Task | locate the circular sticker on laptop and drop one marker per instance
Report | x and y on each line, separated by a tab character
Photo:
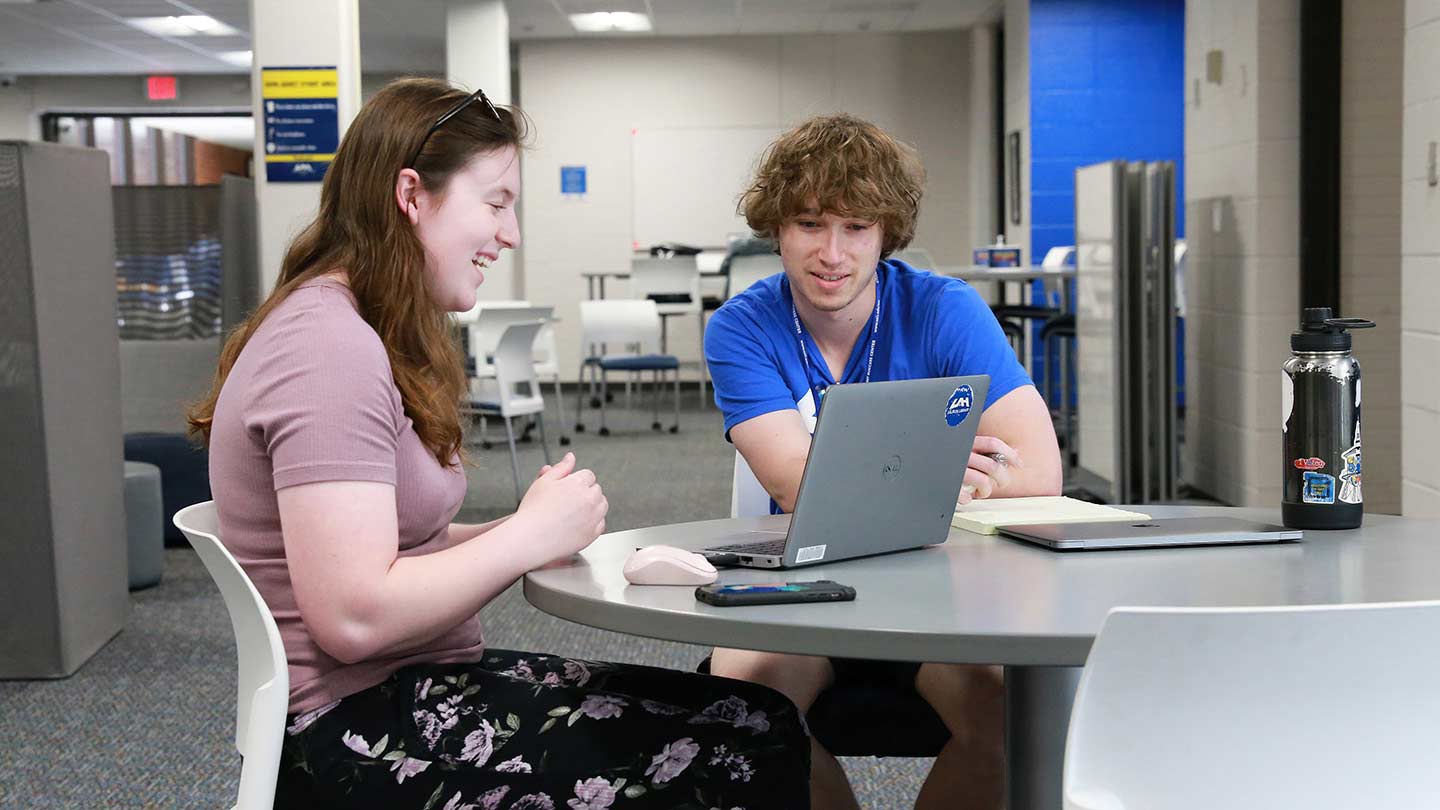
959	406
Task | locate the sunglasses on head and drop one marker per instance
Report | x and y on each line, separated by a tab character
478	95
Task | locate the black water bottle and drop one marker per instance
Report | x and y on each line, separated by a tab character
1321	408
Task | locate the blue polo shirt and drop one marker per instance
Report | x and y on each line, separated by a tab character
930	326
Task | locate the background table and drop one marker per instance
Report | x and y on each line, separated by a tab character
988	600
593	276
982	272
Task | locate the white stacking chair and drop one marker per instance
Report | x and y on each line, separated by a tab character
480	343
1316	707
917	257
746	270
514	390
748	497
264	688
632	327
1058	256
492	319
674	284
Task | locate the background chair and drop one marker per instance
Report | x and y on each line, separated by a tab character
634	327
1323	707
514	390
674	285
1015	334
748	497
746	270
490	320
1054	257
1057	339
144	525
851	719
264	688
184	472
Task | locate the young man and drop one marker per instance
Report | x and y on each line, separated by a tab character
838	195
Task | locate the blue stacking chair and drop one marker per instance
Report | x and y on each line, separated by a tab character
623	335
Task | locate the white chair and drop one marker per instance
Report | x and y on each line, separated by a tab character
746	270
1058	256
264	689
547	356
515	390
748	497
492	319
674	285
1321	708
632	326
917	257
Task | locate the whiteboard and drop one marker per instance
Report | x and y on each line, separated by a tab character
686	181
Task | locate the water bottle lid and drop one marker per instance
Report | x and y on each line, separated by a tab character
1321	333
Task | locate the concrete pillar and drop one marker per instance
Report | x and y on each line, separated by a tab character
477	54
315	33
983	105
1420	267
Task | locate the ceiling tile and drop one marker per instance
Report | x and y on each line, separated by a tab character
82	36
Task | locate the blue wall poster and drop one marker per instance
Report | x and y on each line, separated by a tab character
572	179
302	122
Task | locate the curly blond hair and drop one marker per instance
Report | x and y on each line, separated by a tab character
849	166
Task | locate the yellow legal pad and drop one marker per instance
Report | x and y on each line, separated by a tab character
987	516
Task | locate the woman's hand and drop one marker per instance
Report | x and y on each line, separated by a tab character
564	509
988	471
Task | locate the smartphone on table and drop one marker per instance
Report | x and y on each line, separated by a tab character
774	593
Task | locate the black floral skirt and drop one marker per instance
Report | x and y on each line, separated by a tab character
520	731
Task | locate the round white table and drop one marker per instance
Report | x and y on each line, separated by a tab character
990	600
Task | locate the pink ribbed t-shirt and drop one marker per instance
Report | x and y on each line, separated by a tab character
311	398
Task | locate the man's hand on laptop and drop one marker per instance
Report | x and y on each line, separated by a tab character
989	469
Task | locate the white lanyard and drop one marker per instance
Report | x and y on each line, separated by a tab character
805	355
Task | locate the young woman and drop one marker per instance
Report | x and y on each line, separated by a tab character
335	444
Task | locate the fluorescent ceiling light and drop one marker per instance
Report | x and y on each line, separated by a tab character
186	26
239	58
199	22
610	21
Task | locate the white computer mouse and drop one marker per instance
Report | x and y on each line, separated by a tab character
667	565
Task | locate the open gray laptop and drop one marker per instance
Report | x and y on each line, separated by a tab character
885	467
1193	531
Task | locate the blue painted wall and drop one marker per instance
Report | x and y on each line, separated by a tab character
1107	80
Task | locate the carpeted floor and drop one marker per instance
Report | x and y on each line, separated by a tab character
149	721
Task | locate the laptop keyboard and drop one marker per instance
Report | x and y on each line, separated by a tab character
775	547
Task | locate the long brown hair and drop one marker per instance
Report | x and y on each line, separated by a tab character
361	230
849	166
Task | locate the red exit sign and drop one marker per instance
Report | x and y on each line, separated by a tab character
161	88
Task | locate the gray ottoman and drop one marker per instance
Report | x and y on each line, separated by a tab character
144	524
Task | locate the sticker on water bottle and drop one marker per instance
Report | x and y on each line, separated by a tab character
1350	475
1318	488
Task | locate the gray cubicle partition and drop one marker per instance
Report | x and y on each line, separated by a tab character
1125	328
63	578
240	266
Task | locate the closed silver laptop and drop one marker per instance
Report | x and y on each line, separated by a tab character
1192	531
886	464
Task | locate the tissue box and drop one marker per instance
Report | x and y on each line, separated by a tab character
1004	256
